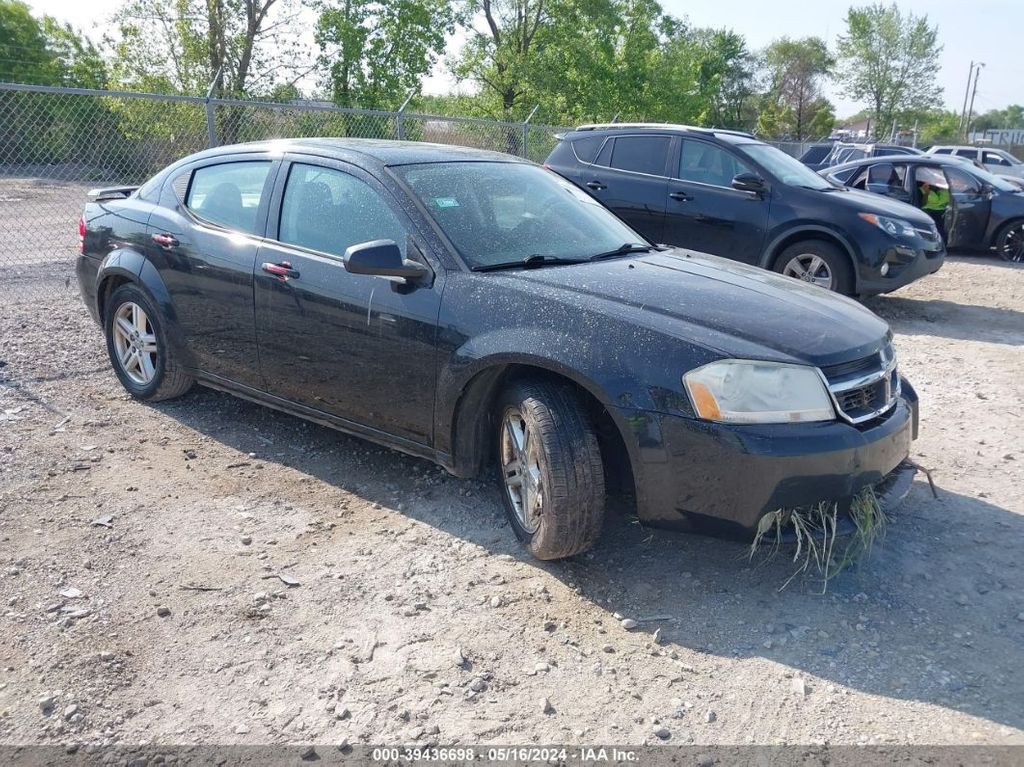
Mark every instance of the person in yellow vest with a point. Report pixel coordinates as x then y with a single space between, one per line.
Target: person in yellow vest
934 197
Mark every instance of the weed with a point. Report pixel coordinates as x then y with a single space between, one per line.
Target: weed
817 545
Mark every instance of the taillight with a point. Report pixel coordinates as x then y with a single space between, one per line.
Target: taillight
81 234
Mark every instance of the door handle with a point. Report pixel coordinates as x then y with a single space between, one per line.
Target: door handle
283 271
680 196
166 241
597 186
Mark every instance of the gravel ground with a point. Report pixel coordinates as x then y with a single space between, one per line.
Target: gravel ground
209 571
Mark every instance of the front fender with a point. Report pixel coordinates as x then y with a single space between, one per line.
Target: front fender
779 239
466 386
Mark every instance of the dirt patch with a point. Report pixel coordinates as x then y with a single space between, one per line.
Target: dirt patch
148 556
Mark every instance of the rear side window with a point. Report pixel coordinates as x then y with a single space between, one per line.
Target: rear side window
885 178
641 154
944 150
329 211
586 149
971 154
230 194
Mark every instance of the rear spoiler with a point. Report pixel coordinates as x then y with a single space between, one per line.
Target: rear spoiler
111 193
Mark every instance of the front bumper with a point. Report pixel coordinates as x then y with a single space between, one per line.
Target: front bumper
907 262
720 478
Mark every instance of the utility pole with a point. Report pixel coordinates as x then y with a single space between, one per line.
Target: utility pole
970 109
963 111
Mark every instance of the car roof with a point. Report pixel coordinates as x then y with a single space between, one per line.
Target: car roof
669 127
384 151
911 159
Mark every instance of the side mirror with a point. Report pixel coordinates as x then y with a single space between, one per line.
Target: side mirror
749 182
383 259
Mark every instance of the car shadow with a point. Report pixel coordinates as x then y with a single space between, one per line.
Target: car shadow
937 317
932 615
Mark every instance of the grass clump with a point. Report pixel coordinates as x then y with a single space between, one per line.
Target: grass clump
818 548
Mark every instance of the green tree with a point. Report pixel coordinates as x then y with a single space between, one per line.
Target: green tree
184 46
46 52
24 56
794 74
378 51
499 57
890 60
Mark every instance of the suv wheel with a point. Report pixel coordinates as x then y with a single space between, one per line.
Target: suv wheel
1010 243
138 347
550 469
819 263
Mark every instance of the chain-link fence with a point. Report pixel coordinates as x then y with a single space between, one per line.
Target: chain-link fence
57 143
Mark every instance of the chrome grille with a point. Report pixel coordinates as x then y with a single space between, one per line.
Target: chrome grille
866 388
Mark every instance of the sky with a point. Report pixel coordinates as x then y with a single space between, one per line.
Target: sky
978 30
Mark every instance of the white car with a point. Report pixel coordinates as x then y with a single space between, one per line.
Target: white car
997 161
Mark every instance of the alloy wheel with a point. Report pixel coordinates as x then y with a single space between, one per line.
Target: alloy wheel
521 467
135 343
810 268
1013 245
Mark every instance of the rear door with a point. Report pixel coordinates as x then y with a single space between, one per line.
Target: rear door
885 178
705 213
971 209
629 175
356 346
203 240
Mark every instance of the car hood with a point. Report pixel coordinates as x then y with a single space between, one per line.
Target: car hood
869 202
728 308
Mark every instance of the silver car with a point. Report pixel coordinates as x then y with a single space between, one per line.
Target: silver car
997 161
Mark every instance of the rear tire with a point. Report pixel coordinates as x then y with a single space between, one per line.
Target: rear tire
819 263
138 348
550 469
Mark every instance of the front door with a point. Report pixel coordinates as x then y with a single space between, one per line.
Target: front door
971 208
204 244
359 347
705 213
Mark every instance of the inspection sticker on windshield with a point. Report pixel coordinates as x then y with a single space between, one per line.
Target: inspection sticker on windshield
446 202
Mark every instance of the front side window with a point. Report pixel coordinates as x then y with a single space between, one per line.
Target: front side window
641 154
229 195
495 212
706 163
786 169
328 211
991 158
962 183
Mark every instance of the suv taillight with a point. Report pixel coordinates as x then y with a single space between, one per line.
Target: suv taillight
81 234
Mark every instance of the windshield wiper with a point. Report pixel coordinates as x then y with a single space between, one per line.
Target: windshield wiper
622 250
530 262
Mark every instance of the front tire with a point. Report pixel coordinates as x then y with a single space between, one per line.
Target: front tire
819 263
550 469
1010 243
138 348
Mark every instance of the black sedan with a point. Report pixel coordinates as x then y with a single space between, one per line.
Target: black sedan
984 210
479 311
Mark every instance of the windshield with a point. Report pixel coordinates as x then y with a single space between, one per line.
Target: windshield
785 168
992 179
498 212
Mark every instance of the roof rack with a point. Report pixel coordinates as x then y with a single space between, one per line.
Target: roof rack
669 126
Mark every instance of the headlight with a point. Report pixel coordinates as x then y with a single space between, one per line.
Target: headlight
893 226
742 391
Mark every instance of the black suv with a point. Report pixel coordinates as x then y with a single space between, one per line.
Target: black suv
725 193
